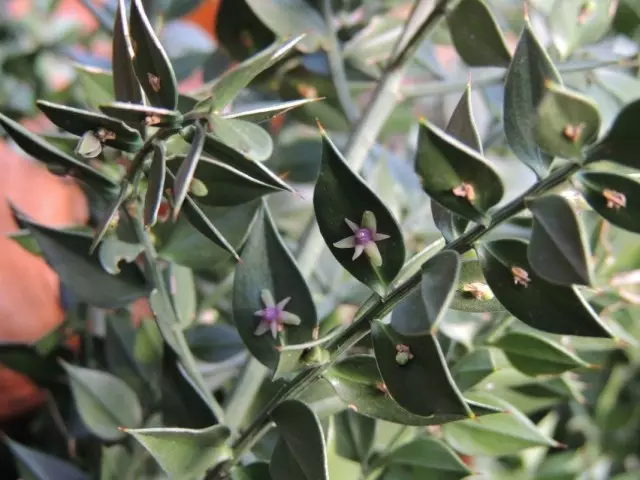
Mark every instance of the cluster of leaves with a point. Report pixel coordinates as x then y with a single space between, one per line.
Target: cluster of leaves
486 337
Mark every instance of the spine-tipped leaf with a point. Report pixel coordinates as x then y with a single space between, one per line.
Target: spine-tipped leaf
530 71
528 297
479 42
615 197
262 314
455 176
150 61
558 249
359 229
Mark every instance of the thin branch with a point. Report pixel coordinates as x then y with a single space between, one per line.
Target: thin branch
336 65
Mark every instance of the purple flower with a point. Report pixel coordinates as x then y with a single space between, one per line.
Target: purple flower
364 238
273 316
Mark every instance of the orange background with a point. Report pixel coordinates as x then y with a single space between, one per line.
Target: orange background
29 291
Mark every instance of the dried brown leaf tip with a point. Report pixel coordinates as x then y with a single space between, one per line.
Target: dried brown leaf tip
382 387
465 190
478 290
154 81
573 132
520 276
615 200
403 354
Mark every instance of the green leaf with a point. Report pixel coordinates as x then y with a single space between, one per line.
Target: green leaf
43 369
35 465
150 61
455 176
473 294
73 120
534 354
567 121
558 250
110 216
105 403
302 433
421 311
354 435
479 42
185 453
68 254
621 143
218 150
185 173
283 464
213 343
415 373
201 222
96 85
536 302
263 111
225 185
357 381
182 402
234 80
495 435
121 359
288 18
186 245
577 23
615 197
530 70
474 367
424 458
268 266
125 83
250 139
253 471
51 156
182 288
25 240
155 185
114 462
142 114
462 127
340 195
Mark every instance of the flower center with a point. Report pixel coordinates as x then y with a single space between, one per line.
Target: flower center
270 314
363 236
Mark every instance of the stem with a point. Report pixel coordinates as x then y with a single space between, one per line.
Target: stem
334 52
380 307
181 346
491 77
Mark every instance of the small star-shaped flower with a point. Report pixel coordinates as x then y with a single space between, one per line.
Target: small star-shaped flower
364 238
273 316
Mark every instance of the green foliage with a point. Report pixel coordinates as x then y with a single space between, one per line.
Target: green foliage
309 317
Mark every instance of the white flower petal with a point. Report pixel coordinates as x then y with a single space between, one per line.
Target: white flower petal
274 329
259 313
290 318
352 225
372 251
267 298
348 242
283 303
263 327
380 236
369 221
358 251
